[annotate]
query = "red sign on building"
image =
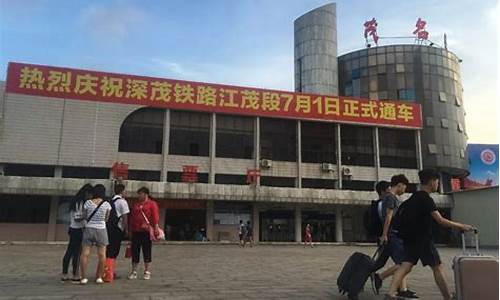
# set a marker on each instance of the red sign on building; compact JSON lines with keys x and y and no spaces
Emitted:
{"x":371,"y":29}
{"x":189,"y":174}
{"x":420,"y":31}
{"x":65,"y":83}
{"x":120,"y":170}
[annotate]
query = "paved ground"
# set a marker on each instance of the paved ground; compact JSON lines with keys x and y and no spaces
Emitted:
{"x":201,"y":272}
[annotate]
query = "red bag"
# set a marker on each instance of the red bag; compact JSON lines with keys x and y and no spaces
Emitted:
{"x":109,"y":270}
{"x":128,"y":251}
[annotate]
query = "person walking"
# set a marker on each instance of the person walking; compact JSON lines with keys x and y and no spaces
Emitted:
{"x":413,"y":223}
{"x":144,"y":219}
{"x":392,"y":243}
{"x":97,"y":212}
{"x":249,"y":234}
{"x":75,"y":232}
{"x":308,"y":236}
{"x":116,"y":226}
{"x":241,"y":234}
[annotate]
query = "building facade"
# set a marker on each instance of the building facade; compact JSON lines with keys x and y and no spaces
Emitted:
{"x":312,"y":170}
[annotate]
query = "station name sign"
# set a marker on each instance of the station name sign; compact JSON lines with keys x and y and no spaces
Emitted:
{"x":66,"y":83}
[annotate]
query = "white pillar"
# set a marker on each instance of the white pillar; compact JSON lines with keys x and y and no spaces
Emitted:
{"x":255,"y":222}
{"x":420,"y":162}
{"x":166,"y":142}
{"x":299,"y":155}
{"x":213,"y":137}
{"x":210,"y":220}
{"x":339,"y":155}
{"x":52,"y":228}
{"x":377,"y":152}
{"x":257,"y":147}
{"x":338,"y":224}
{"x":298,"y":224}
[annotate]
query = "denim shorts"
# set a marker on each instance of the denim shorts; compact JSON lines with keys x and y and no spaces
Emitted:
{"x":95,"y":237}
{"x":395,"y":247}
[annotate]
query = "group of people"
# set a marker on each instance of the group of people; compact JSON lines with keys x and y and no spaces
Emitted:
{"x":407,"y":234}
{"x":96,"y":220}
{"x":245,"y":234}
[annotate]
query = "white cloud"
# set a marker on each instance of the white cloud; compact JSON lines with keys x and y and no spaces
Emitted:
{"x":111,"y":23}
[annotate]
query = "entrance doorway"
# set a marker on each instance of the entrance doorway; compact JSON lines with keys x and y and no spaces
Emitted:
{"x":323,"y":225}
{"x":277,"y":226}
{"x":185,"y":224}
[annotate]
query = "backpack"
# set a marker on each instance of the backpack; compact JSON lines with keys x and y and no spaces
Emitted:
{"x":405,"y":221}
{"x":113,"y":216}
{"x":371,"y":219}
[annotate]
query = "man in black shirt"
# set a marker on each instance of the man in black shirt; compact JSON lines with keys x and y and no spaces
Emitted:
{"x":415,"y":228}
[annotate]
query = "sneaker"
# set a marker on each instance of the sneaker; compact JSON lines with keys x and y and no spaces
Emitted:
{"x":408,"y":294}
{"x":132,"y":275}
{"x":84,"y":281}
{"x":75,"y":280}
{"x":99,"y":280}
{"x":147,"y":275}
{"x":64,"y":278}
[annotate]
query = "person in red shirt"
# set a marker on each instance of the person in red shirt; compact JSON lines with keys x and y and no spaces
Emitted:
{"x":144,"y":213}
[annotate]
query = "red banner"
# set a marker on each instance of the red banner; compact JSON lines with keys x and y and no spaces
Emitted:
{"x":68,"y":83}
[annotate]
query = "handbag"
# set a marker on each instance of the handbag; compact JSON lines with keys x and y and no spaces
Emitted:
{"x":152,"y":236}
{"x":128,"y":251}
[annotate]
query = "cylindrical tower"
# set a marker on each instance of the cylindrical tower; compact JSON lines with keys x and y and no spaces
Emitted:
{"x":316,"y":51}
{"x":417,"y":73}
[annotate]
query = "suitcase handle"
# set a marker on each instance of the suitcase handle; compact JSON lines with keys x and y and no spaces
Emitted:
{"x":476,"y":238}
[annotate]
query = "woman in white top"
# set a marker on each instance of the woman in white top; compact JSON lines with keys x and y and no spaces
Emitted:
{"x":75,"y":232}
{"x":97,"y":212}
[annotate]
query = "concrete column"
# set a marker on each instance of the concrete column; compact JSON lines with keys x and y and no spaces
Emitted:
{"x":255,"y":221}
{"x":376,"y":146}
{"x":299,"y":155}
{"x":257,"y":146}
{"x":210,"y":220}
{"x":52,"y":228}
{"x":54,"y":205}
{"x":339,"y":154}
{"x":166,"y":143}
{"x":213,"y":135}
{"x":162,"y":218}
{"x":338,"y":224}
{"x":418,"y":138}
{"x":298,"y":224}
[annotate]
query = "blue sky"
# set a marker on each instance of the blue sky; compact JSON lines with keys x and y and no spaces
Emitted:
{"x":246,"y":42}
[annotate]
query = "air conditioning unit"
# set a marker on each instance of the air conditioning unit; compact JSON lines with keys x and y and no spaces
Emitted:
{"x":346,"y":172}
{"x":266,"y":163}
{"x":326,"y":167}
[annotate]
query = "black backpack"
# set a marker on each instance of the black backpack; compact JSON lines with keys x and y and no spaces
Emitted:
{"x":405,"y":221}
{"x":113,"y":216}
{"x":371,"y":220}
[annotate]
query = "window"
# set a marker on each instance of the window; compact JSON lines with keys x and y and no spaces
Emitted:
{"x":442,"y":97}
{"x":142,"y":131}
{"x":458,"y":101}
{"x":357,"y":145}
{"x":234,"y":137}
{"x":400,"y":68}
{"x":348,"y":89}
{"x":278,"y":139}
{"x":277,"y":181}
{"x":24,"y":209}
{"x":231,"y":179}
{"x":444,"y":123}
{"x":318,"y":142}
{"x":447,"y":150}
{"x":462,"y":153}
{"x":315,"y":183}
{"x":82,"y":172}
{"x":358,"y":185}
{"x":144,"y":175}
{"x":177,"y":177}
{"x":429,"y":121}
{"x":406,"y":94}
{"x":397,"y":148}
{"x":460,"y":127}
{"x":382,"y":82}
{"x":189,"y":133}
{"x":432,"y":148}
{"x":28,"y":170}
{"x":356,"y":74}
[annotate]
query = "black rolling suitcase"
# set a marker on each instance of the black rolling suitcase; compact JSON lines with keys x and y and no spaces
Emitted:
{"x":355,"y":272}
